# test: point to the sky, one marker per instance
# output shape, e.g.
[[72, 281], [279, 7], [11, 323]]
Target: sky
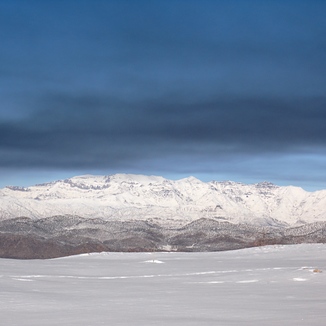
[[220, 90]]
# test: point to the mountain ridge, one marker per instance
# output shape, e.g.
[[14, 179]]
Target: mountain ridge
[[164, 201], [125, 212]]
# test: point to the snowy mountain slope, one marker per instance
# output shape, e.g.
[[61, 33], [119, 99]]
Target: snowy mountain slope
[[127, 197]]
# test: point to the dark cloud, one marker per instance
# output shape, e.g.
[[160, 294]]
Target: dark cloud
[[250, 46], [100, 131], [162, 86]]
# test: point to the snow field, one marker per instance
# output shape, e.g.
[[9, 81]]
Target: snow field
[[273, 285]]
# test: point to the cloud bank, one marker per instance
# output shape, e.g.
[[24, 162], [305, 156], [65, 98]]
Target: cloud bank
[[215, 88]]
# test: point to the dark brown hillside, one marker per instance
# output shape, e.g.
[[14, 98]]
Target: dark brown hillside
[[59, 236]]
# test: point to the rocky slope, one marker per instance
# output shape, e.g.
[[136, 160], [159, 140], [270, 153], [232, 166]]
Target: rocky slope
[[68, 235]]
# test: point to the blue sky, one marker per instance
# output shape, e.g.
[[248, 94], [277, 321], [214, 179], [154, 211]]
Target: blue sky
[[221, 90]]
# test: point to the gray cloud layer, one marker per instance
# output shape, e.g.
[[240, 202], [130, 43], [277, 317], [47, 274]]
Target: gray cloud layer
[[89, 130], [158, 85]]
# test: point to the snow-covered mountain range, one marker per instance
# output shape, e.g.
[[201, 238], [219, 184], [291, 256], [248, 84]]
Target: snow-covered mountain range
[[124, 212], [126, 197]]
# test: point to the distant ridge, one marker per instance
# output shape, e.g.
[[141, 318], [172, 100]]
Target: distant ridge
[[126, 212], [127, 197]]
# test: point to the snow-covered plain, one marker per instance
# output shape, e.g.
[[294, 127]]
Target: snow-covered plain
[[272, 285]]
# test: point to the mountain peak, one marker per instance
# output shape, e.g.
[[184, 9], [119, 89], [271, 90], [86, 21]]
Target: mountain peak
[[191, 179], [139, 178]]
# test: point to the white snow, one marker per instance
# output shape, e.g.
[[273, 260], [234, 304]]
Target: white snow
[[168, 202], [273, 285], [154, 261]]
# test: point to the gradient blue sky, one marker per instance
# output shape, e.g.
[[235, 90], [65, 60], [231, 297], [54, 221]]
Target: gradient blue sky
[[221, 90]]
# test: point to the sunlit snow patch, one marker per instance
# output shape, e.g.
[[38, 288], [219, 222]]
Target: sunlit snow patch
[[154, 261], [299, 279], [22, 279]]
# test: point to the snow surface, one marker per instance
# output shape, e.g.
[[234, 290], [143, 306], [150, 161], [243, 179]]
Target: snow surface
[[272, 285], [163, 201]]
